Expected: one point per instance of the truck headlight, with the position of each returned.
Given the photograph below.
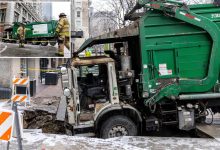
(63, 70)
(67, 93)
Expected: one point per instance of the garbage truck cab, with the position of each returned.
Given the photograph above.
(94, 104)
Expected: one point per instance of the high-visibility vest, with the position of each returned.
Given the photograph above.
(88, 53)
(21, 31)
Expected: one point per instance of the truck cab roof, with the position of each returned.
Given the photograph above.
(120, 35)
(95, 60)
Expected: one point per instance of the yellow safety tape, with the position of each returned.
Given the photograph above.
(42, 70)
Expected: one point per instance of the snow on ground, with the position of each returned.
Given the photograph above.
(35, 140)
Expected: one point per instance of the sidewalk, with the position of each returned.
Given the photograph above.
(49, 90)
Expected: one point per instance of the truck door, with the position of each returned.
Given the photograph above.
(70, 95)
(75, 88)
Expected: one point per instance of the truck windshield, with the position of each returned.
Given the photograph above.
(84, 70)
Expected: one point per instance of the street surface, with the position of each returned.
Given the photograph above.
(35, 140)
(12, 50)
(168, 139)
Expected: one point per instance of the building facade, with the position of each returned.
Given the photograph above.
(80, 20)
(23, 67)
(47, 10)
(19, 12)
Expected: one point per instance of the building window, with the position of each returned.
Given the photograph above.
(78, 24)
(23, 19)
(78, 14)
(78, 4)
(34, 6)
(24, 12)
(18, 6)
(16, 17)
(2, 15)
(23, 67)
(34, 20)
(29, 17)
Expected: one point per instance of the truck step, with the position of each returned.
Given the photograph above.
(85, 135)
(169, 112)
(84, 126)
(170, 122)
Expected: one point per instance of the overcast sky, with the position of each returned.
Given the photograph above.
(99, 4)
(60, 7)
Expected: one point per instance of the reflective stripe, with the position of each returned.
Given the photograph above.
(66, 26)
(4, 116)
(65, 30)
(19, 98)
(6, 136)
(20, 81)
(6, 124)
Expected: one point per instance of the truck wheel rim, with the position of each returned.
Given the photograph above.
(117, 131)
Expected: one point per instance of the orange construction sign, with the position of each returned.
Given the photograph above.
(20, 81)
(19, 98)
(6, 124)
(24, 97)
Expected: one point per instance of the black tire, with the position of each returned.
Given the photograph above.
(118, 126)
(45, 42)
(53, 42)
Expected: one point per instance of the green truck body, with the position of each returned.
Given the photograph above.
(178, 49)
(36, 32)
(185, 47)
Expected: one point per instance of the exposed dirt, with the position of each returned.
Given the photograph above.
(42, 115)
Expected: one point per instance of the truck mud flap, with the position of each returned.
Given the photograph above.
(61, 111)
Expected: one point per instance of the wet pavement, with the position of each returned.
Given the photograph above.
(35, 140)
(12, 50)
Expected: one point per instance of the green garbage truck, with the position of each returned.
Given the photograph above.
(163, 70)
(36, 33)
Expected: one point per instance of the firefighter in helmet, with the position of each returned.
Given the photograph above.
(63, 34)
(21, 35)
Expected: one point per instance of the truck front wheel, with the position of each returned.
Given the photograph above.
(118, 126)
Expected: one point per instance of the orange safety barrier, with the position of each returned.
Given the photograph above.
(6, 124)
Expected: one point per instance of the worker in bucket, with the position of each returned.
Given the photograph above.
(63, 34)
(21, 35)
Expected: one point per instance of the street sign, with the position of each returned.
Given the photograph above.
(6, 124)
